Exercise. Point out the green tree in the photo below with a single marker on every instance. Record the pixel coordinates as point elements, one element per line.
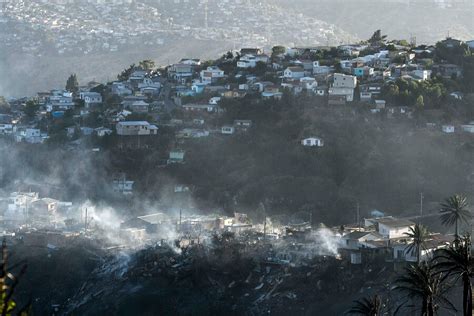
<point>31,107</point>
<point>418,235</point>
<point>8,284</point>
<point>259,69</point>
<point>147,64</point>
<point>454,210</point>
<point>456,261</point>
<point>72,85</point>
<point>377,38</point>
<point>4,105</point>
<point>125,74</point>
<point>278,50</point>
<point>423,283</point>
<point>420,103</point>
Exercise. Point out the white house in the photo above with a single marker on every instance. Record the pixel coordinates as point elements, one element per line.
<point>200,107</point>
<point>344,81</point>
<point>247,61</point>
<point>421,74</point>
<point>61,100</point>
<point>29,135</point>
<point>343,85</point>
<point>312,142</point>
<point>148,86</point>
<point>355,239</point>
<point>469,128</point>
<point>214,100</point>
<point>6,129</point>
<point>123,186</point>
<point>391,227</point>
<point>447,129</point>
<point>180,72</point>
<point>211,74</point>
<point>294,72</point>
<point>90,98</point>
<point>129,128</point>
<point>309,83</point>
<point>102,131</point>
<point>139,106</point>
<point>120,89</point>
<point>321,70</point>
<point>227,130</point>
<point>402,251</point>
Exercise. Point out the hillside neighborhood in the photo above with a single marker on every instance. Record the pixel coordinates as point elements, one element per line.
<point>188,100</point>
<point>390,79</point>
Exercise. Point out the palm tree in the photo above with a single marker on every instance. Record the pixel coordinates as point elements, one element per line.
<point>422,282</point>
<point>419,234</point>
<point>456,261</point>
<point>368,306</point>
<point>453,211</point>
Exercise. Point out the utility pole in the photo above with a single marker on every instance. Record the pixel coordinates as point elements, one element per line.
<point>85,223</point>
<point>358,216</point>
<point>264,221</point>
<point>421,203</point>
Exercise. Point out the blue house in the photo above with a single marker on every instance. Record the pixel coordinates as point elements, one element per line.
<point>359,72</point>
<point>198,87</point>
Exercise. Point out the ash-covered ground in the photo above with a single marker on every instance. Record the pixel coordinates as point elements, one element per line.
<point>223,274</point>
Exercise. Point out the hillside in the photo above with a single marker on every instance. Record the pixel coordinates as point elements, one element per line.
<point>424,20</point>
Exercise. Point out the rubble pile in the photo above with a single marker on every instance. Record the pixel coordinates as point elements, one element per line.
<point>233,278</point>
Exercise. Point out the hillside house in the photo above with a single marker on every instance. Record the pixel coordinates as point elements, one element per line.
<point>363,72</point>
<point>123,186</point>
<point>136,128</point>
<point>180,72</point>
<point>121,89</point>
<point>312,142</point>
<point>198,107</point>
<point>243,124</point>
<point>6,129</point>
<point>152,223</point>
<point>294,72</point>
<point>309,83</point>
<point>355,239</point>
<point>60,100</point>
<point>447,70</point>
<point>102,131</point>
<point>43,211</point>
<point>251,51</point>
<point>227,130</point>
<point>139,106</point>
<point>402,253</point>
<point>468,128</point>
<point>211,74</point>
<point>343,85</point>
<point>247,61</point>
<point>176,156</point>
<point>390,227</point>
<point>447,129</point>
<point>91,98</point>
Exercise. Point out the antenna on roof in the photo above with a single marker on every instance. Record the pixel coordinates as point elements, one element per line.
<point>206,9</point>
